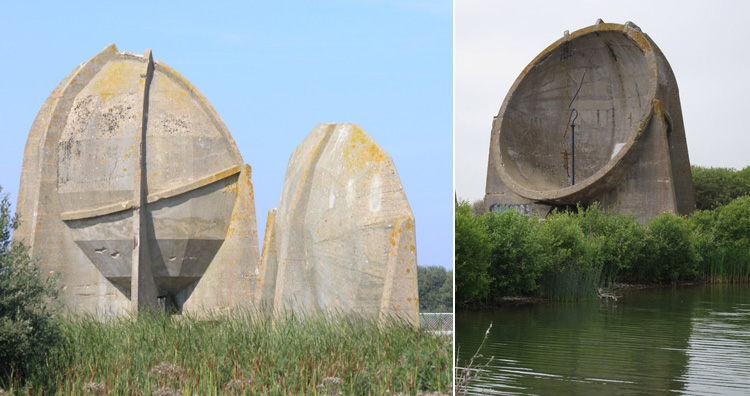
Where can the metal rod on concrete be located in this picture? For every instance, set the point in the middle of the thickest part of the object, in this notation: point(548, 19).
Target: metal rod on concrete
point(573, 154)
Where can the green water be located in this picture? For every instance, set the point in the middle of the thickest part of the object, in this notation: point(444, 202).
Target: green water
point(685, 340)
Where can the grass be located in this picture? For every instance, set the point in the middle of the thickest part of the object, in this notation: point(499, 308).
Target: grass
point(727, 265)
point(571, 284)
point(242, 353)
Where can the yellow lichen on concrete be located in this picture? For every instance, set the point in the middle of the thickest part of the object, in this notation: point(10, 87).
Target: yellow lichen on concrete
point(361, 151)
point(115, 78)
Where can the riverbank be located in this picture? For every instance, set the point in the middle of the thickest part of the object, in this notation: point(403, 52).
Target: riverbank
point(571, 255)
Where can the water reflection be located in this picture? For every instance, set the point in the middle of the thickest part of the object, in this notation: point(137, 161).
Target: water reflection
point(692, 340)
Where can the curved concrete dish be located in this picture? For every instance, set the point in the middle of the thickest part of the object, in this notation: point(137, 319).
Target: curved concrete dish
point(593, 110)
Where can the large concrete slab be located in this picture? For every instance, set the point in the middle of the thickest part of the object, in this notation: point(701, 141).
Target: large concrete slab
point(135, 194)
point(594, 117)
point(342, 237)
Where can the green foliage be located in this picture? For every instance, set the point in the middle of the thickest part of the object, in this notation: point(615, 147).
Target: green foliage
point(435, 289)
point(671, 252)
point(27, 330)
point(471, 255)
point(569, 271)
point(571, 254)
point(515, 252)
point(245, 352)
point(733, 223)
point(618, 241)
point(715, 187)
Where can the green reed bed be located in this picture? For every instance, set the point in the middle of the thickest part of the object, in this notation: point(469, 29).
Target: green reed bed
point(727, 265)
point(571, 284)
point(243, 353)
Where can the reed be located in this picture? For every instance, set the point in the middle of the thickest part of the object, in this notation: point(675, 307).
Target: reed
point(572, 284)
point(727, 264)
point(243, 353)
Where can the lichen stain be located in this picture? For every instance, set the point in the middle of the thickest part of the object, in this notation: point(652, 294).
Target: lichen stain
point(116, 77)
point(360, 150)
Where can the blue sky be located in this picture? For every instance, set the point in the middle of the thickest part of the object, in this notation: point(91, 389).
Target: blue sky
point(272, 71)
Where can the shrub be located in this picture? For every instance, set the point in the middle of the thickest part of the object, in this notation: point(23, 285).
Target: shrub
point(515, 252)
point(733, 223)
point(27, 330)
point(570, 272)
point(618, 241)
point(670, 251)
point(471, 255)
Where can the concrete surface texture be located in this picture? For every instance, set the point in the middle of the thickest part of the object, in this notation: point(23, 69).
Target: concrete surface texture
point(343, 235)
point(594, 117)
point(134, 193)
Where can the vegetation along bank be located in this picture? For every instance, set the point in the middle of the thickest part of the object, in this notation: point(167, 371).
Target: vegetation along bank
point(576, 255)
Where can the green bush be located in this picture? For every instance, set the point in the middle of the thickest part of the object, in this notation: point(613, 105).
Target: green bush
point(671, 254)
point(570, 272)
point(515, 252)
point(471, 255)
point(733, 223)
point(27, 329)
point(618, 242)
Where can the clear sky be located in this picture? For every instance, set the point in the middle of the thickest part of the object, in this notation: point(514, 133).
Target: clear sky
point(705, 42)
point(272, 70)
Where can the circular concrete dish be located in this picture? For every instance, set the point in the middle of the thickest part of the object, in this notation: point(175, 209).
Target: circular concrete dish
point(603, 79)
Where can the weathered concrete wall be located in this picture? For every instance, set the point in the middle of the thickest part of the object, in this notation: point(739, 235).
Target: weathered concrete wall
point(343, 235)
point(594, 117)
point(134, 192)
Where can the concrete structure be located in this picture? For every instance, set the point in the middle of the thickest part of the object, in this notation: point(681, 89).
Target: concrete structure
point(343, 235)
point(594, 117)
point(133, 191)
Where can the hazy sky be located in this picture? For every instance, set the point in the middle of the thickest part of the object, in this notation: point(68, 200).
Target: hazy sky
point(272, 70)
point(705, 42)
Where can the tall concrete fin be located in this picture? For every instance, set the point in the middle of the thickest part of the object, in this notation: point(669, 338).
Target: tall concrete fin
point(343, 235)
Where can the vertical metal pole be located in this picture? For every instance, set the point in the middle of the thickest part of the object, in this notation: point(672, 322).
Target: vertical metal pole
point(573, 153)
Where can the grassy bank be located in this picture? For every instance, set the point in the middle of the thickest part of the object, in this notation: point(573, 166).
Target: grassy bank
point(242, 353)
point(572, 255)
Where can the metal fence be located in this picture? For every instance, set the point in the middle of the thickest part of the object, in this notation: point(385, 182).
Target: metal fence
point(441, 323)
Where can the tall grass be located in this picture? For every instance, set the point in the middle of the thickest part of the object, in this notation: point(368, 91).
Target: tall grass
point(729, 264)
point(243, 353)
point(572, 284)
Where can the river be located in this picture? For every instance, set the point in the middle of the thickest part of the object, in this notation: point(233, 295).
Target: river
point(690, 340)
